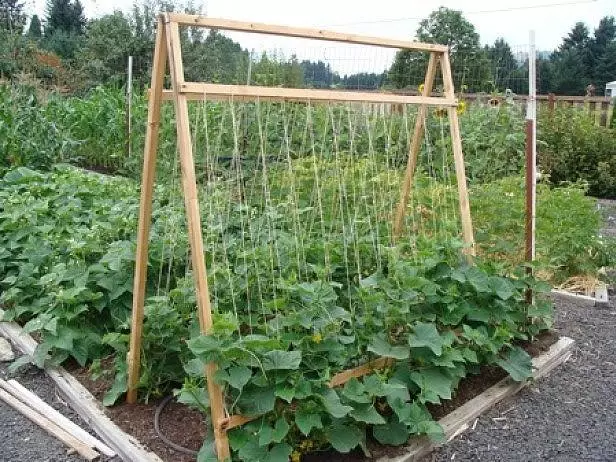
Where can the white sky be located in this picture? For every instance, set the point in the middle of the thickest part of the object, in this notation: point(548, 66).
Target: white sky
point(395, 18)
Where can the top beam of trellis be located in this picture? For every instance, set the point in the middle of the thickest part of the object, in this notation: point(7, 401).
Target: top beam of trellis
point(209, 91)
point(316, 34)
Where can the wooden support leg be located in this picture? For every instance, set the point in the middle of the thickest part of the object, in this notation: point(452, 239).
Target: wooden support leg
point(458, 156)
point(193, 218)
point(411, 165)
point(145, 211)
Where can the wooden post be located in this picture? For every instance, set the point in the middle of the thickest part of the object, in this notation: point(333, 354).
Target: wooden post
point(551, 104)
point(193, 218)
point(145, 211)
point(458, 156)
point(531, 159)
point(529, 235)
point(129, 105)
point(414, 149)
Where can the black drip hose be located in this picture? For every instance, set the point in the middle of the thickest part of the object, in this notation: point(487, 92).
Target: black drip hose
point(167, 441)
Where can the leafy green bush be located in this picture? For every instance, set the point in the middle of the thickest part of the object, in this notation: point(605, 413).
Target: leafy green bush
point(574, 148)
point(568, 223)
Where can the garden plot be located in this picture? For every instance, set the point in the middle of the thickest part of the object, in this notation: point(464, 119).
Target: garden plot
point(70, 243)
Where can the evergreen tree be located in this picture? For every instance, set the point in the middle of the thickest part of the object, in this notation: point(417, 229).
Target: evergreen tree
point(503, 66)
point(66, 16)
point(606, 67)
point(65, 25)
point(35, 29)
point(602, 46)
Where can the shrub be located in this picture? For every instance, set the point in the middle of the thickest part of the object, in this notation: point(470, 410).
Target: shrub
point(574, 148)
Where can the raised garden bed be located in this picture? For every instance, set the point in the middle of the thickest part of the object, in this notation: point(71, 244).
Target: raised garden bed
point(185, 426)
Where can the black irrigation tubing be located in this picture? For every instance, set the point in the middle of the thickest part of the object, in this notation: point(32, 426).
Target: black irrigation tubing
point(159, 409)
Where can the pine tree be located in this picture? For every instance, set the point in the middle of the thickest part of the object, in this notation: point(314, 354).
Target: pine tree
point(35, 29)
point(66, 16)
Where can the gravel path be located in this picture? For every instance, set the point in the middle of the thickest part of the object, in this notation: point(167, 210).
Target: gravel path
point(568, 416)
point(22, 440)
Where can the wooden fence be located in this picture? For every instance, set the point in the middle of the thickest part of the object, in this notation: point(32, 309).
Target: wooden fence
point(600, 108)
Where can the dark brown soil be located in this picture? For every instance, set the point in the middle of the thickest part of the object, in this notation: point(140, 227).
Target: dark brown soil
point(179, 423)
point(186, 427)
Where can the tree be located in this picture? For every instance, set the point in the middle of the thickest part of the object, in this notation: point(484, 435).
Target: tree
point(503, 65)
point(107, 45)
point(601, 46)
point(216, 59)
point(65, 16)
point(468, 60)
point(545, 75)
point(573, 62)
point(35, 29)
point(577, 39)
point(570, 73)
point(12, 17)
point(606, 67)
point(319, 74)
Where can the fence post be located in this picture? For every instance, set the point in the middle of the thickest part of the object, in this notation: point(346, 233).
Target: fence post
point(551, 104)
point(531, 159)
point(129, 105)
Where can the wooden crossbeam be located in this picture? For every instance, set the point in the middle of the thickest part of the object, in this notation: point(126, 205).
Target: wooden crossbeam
point(211, 91)
point(286, 31)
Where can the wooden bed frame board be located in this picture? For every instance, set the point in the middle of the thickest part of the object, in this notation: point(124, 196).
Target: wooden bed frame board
point(82, 401)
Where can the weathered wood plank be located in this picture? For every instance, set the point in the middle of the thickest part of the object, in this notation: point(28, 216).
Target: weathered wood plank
point(286, 31)
point(82, 401)
point(50, 427)
point(35, 402)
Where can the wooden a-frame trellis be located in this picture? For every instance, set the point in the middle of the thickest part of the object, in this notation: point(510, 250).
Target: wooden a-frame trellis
point(168, 51)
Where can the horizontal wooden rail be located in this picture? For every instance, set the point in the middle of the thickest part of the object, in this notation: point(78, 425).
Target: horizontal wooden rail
point(286, 31)
point(210, 91)
point(339, 379)
point(343, 377)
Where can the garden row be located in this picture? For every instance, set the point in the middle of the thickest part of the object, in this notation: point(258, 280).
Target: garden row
point(38, 128)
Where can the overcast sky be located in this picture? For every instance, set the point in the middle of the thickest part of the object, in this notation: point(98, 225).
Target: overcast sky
point(551, 19)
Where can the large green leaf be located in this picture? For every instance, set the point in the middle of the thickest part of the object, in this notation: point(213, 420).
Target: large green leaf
point(518, 363)
point(394, 434)
point(282, 360)
point(274, 434)
point(343, 438)
point(434, 384)
point(379, 346)
point(354, 390)
point(256, 400)
point(279, 453)
point(306, 421)
point(502, 287)
point(236, 376)
point(426, 335)
point(367, 413)
point(252, 452)
point(332, 404)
